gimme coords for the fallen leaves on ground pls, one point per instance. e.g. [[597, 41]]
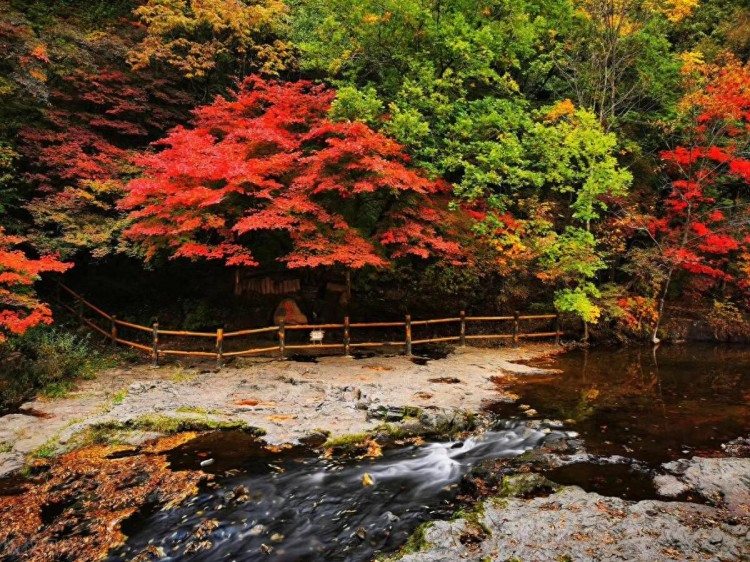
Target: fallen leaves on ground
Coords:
[[367, 448], [254, 402], [276, 418], [75, 508]]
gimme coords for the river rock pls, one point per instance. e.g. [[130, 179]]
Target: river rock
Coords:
[[10, 463], [572, 524], [722, 481], [739, 447], [386, 413], [289, 313]]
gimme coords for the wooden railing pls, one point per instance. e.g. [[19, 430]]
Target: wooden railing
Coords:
[[155, 348]]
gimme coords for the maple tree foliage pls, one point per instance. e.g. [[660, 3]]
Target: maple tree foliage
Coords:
[[269, 161], [79, 156], [19, 307], [705, 218], [703, 231]]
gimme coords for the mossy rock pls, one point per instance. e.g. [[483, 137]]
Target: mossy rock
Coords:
[[526, 485]]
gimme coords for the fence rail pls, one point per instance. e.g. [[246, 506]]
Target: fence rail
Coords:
[[155, 347]]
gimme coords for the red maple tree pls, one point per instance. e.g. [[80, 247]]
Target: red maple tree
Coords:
[[19, 307], [268, 169], [705, 227]]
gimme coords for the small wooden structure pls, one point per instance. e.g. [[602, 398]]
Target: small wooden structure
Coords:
[[276, 336]]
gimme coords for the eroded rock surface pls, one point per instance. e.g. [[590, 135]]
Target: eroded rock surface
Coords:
[[722, 481], [572, 524]]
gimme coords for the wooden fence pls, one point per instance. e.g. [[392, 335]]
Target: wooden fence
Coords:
[[154, 335]]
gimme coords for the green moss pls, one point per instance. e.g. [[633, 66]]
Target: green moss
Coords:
[[413, 412], [499, 503], [416, 542], [349, 440], [520, 485], [197, 410], [170, 424], [474, 518], [396, 431], [5, 447]]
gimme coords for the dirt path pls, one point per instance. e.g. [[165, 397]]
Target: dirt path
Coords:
[[287, 400]]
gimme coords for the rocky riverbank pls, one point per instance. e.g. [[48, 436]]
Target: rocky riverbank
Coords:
[[571, 524], [527, 516], [284, 401]]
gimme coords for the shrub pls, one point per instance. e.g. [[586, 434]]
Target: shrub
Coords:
[[48, 360]]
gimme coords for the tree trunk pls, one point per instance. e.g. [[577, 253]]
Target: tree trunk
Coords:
[[654, 337]]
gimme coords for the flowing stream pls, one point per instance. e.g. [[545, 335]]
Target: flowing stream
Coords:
[[301, 507], [637, 405]]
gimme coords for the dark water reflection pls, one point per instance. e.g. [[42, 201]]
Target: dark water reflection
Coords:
[[650, 405]]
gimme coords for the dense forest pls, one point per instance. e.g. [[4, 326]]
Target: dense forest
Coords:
[[589, 156]]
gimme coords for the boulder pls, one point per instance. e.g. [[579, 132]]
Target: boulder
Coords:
[[289, 312]]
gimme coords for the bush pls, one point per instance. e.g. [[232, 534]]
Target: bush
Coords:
[[47, 360]]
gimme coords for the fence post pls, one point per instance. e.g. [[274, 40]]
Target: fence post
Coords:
[[408, 335], [463, 328], [516, 327], [557, 329], [155, 345], [219, 347], [346, 336], [282, 338], [113, 330]]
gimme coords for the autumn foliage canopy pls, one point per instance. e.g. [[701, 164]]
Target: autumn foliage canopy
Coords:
[[268, 169]]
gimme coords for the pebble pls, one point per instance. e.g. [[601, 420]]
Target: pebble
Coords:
[[257, 530], [207, 462]]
